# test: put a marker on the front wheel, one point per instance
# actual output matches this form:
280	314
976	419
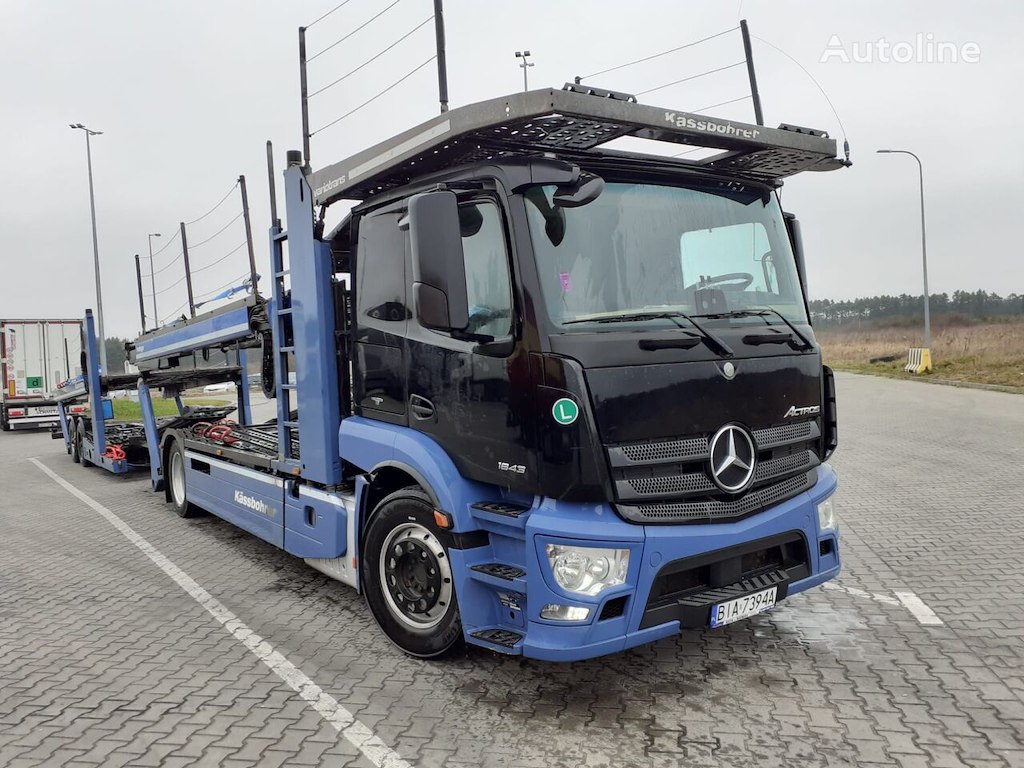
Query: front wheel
176	481
407	576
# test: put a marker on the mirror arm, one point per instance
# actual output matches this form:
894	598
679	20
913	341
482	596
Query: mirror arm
502	347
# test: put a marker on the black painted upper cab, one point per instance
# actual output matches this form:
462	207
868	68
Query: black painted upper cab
562	308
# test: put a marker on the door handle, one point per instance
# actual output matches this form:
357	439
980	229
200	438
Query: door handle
421	408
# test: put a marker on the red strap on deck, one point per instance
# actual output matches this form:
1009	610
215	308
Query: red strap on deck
115	452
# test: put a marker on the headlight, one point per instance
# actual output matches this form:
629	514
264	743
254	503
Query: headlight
826	515
587	570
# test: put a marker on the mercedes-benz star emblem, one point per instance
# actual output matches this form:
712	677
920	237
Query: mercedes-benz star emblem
732	458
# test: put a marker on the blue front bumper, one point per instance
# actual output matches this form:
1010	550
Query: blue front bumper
651	548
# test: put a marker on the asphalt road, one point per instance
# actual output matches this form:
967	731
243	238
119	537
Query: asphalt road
129	636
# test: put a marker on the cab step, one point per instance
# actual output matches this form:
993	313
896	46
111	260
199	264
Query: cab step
503	508
501	517
500	571
504	638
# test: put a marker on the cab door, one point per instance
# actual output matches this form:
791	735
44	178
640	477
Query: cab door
467	392
382	317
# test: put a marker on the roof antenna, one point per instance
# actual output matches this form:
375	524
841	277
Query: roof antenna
751	75
442	64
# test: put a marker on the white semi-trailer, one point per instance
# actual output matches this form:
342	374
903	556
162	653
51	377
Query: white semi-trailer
36	357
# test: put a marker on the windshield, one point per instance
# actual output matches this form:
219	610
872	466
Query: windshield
644	248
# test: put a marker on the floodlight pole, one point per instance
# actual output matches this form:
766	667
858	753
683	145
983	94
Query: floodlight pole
89	133
924	243
524	55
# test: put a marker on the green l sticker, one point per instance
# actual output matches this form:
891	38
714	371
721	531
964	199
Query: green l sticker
565	411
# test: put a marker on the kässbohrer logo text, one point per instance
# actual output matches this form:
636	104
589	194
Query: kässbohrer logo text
256	505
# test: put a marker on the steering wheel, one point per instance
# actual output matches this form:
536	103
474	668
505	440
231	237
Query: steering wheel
734	281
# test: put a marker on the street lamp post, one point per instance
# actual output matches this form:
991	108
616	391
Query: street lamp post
95	245
924	243
152	278
525	65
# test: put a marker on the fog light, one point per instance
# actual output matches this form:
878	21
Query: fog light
564	612
826	515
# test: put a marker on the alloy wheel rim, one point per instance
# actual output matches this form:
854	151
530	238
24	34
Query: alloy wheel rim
415	576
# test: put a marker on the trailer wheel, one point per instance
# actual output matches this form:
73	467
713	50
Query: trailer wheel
76	455
407	576
176	481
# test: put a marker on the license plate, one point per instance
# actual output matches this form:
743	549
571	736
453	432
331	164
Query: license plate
742	607
43	410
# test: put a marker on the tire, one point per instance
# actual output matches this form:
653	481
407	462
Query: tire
176	487
79	433
75	451
407	577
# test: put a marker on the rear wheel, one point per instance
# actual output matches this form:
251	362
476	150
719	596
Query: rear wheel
76	455
407	576
176	481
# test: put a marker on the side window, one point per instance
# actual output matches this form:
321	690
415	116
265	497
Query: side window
380	292
487	275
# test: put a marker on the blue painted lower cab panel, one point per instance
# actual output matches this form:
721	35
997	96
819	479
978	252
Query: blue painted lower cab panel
515	605
254	501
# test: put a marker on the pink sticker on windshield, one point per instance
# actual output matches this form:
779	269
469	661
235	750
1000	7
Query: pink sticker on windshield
566	281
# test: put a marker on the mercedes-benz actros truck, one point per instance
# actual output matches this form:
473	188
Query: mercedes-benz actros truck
534	393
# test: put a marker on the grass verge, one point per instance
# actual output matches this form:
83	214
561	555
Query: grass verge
990	354
130	410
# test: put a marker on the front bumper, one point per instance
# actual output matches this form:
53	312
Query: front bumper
638	617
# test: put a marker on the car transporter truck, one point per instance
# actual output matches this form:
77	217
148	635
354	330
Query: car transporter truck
533	393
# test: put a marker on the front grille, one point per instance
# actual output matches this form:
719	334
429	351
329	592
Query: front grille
715	509
671	484
669	481
642	453
694	448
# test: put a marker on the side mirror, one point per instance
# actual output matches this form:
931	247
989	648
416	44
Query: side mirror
586	190
438	268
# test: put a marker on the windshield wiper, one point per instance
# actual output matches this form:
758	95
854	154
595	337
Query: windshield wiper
763	312
710	339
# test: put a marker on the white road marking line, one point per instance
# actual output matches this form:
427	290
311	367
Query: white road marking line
920	611
355	732
885	599
908	600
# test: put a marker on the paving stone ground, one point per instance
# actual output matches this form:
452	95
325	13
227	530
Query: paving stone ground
105	661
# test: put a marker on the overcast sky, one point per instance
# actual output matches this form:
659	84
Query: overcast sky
187	93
